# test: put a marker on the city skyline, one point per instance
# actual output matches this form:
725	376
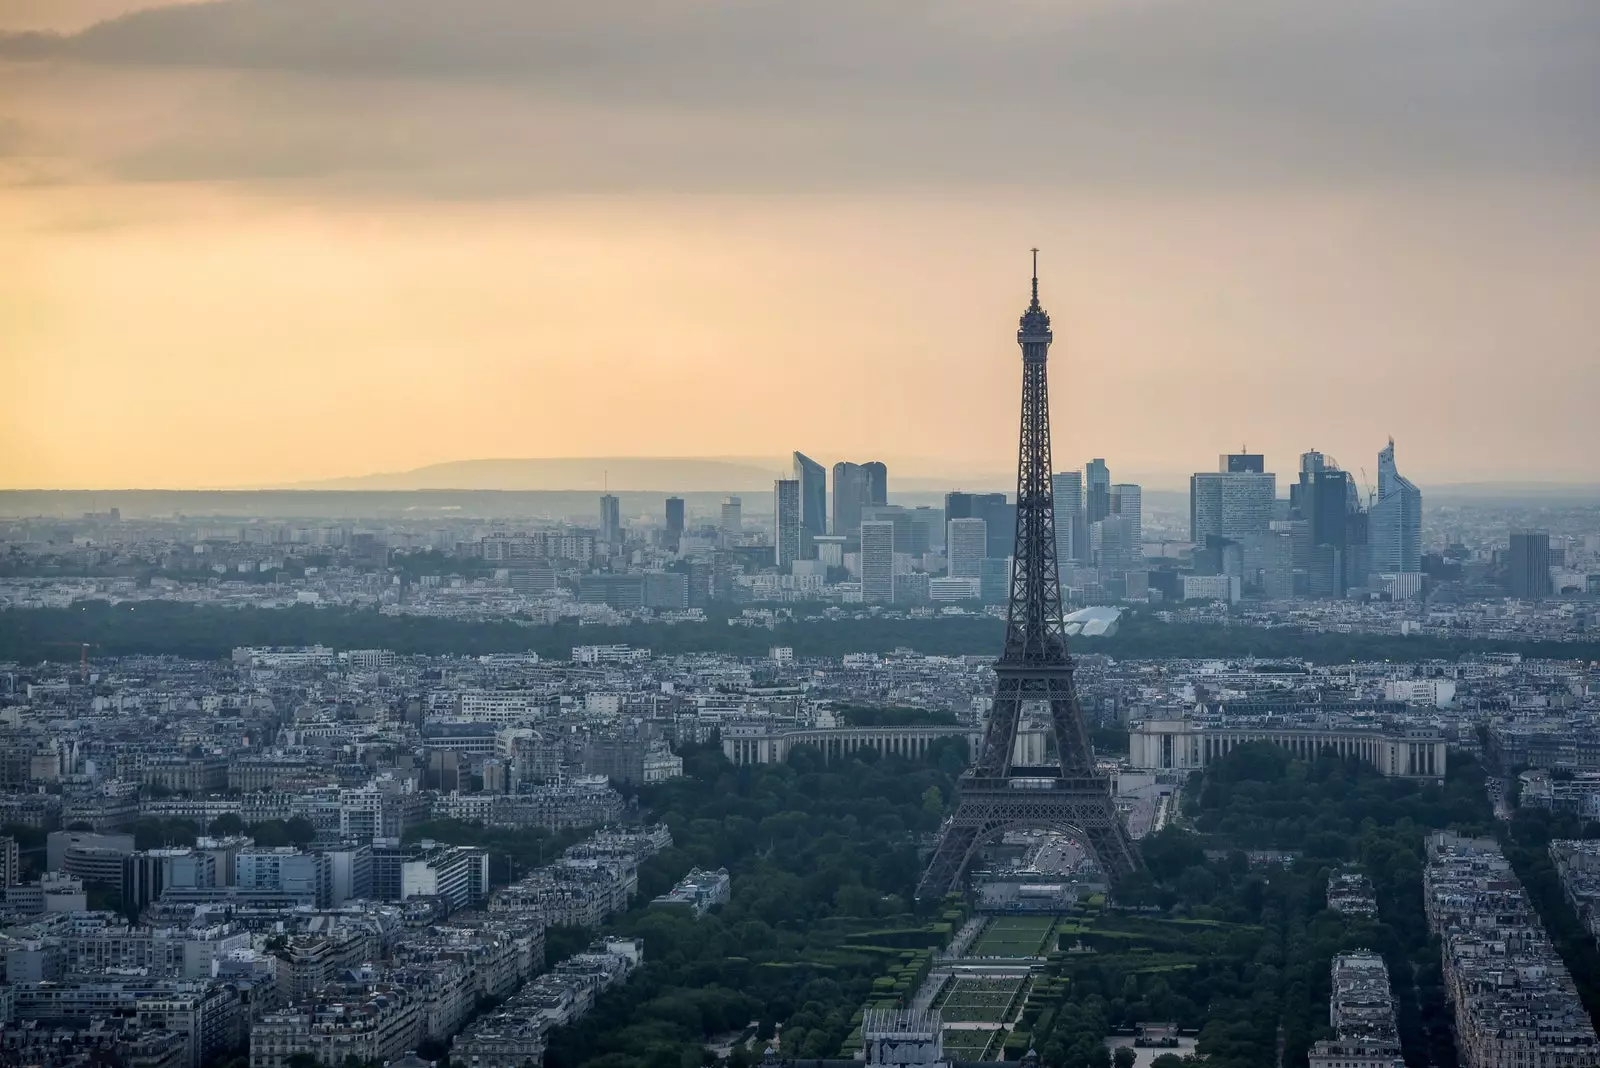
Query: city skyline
606	592
392	247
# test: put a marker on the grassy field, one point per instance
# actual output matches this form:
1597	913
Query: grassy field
969	1045
970	1000
1014	936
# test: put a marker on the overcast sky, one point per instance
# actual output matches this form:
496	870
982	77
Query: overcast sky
259	241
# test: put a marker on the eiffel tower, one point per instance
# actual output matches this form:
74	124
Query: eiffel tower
1034	667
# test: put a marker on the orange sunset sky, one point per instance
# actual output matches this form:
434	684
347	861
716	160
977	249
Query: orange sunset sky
263	241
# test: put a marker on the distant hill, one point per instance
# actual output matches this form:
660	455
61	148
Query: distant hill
618	473
1513	494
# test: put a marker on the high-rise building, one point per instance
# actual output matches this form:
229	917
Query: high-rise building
966	544
10	863
993	510
849	494
901	518
1096	490
994	583
813	480
1325	498
1310	464
610	520
732	515
617	589
830	550
1394	525
877	561
1277	565
1325	503
1111	543
857	486
877	482
786	529
1528	564
674	522
1232	502
931	520
710	578
1067	488
1127	501
1325	573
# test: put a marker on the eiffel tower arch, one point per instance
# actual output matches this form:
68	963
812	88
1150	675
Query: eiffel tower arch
1034	669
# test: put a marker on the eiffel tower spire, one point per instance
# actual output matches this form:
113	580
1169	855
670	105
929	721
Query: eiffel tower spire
1034	669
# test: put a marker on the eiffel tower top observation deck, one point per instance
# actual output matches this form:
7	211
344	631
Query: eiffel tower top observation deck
1033	331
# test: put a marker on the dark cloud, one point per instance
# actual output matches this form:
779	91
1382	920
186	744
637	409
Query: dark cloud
829	93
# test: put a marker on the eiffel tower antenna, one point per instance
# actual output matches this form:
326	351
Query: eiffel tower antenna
1034	667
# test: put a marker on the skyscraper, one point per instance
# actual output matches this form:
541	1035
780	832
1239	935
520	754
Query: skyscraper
1394	526
966	544
910	531
732	515
1096	490
1310	463
674	522
1067	486
786	522
1325	502
994	583
1326	499
856	486
993	510
813	479
1232	502
610	520
1528	564
1127	501
1277	565
877	482
849	494
877	561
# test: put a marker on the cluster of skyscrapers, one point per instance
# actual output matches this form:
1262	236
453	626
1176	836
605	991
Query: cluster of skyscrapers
1322	541
800	506
1097	520
1328	537
808	538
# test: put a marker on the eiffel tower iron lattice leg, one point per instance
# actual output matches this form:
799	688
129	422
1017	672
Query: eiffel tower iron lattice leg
988	809
1034	668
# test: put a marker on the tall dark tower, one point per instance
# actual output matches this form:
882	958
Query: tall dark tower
1034	668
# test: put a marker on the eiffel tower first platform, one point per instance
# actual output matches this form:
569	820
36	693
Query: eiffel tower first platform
1034	668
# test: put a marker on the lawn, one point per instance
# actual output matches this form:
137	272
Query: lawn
971	1000
1014	936
968	1045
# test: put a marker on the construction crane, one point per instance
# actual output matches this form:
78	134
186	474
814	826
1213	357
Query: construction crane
83	661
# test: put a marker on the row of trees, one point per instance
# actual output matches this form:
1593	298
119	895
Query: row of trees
203	632
1243	947
824	862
